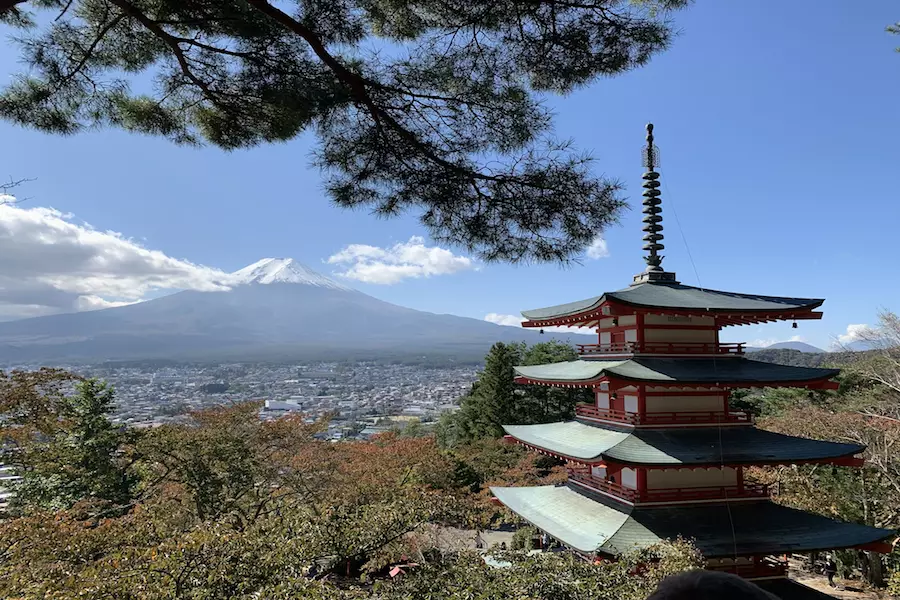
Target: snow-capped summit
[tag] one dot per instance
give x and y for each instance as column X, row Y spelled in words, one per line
column 284, row 270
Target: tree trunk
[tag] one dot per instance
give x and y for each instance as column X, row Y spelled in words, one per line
column 874, row 572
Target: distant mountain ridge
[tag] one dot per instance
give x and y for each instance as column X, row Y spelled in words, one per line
column 276, row 308
column 801, row 346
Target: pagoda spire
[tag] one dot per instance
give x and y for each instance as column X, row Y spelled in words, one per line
column 652, row 218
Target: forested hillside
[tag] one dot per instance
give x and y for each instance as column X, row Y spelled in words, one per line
column 795, row 358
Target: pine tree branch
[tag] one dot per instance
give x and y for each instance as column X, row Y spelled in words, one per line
column 10, row 5
column 358, row 88
column 173, row 43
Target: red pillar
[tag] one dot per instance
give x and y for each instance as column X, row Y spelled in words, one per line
column 740, row 479
column 642, row 402
column 639, row 321
column 641, row 482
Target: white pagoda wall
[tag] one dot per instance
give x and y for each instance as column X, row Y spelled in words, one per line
column 623, row 321
column 681, row 335
column 629, row 477
column 631, row 403
column 687, row 478
column 685, row 403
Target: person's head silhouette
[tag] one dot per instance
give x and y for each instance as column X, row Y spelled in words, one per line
column 708, row 585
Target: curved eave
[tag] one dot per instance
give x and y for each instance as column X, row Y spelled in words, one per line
column 823, row 383
column 724, row 317
column 589, row 524
column 672, row 372
column 678, row 448
column 729, row 308
column 843, row 460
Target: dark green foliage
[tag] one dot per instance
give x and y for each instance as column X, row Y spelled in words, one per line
column 496, row 400
column 491, row 402
column 430, row 105
column 769, row 402
column 214, row 388
column 795, row 358
column 523, row 538
column 80, row 457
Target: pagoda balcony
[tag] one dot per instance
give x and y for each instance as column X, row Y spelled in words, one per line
column 592, row 412
column 698, row 348
column 748, row 491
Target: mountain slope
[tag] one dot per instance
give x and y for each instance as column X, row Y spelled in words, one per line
column 801, row 346
column 277, row 308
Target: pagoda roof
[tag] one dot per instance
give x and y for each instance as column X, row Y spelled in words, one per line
column 673, row 447
column 590, row 524
column 730, row 370
column 675, row 297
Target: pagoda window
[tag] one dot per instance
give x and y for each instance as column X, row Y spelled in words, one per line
column 629, row 478
column 631, row 403
column 598, row 471
column 603, row 399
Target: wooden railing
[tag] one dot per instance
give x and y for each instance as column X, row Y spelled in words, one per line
column 590, row 411
column 722, row 492
column 661, row 348
column 689, row 494
column 674, row 418
column 602, row 485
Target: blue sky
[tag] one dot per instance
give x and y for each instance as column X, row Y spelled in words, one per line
column 780, row 143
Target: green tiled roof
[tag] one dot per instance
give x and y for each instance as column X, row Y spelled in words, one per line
column 674, row 296
column 688, row 370
column 569, row 438
column 590, row 524
column 683, row 446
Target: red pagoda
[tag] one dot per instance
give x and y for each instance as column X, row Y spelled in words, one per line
column 659, row 454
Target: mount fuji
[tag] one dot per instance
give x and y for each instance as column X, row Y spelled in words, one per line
column 275, row 309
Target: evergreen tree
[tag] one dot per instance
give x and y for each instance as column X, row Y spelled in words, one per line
column 73, row 452
column 493, row 401
column 496, row 400
column 550, row 404
column 426, row 105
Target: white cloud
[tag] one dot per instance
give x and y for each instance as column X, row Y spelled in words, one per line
column 763, row 343
column 404, row 260
column 598, row 248
column 96, row 303
column 52, row 264
column 855, row 332
column 514, row 321
column 508, row 320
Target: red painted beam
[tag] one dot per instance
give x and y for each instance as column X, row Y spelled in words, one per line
column 821, row 384
column 880, row 547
